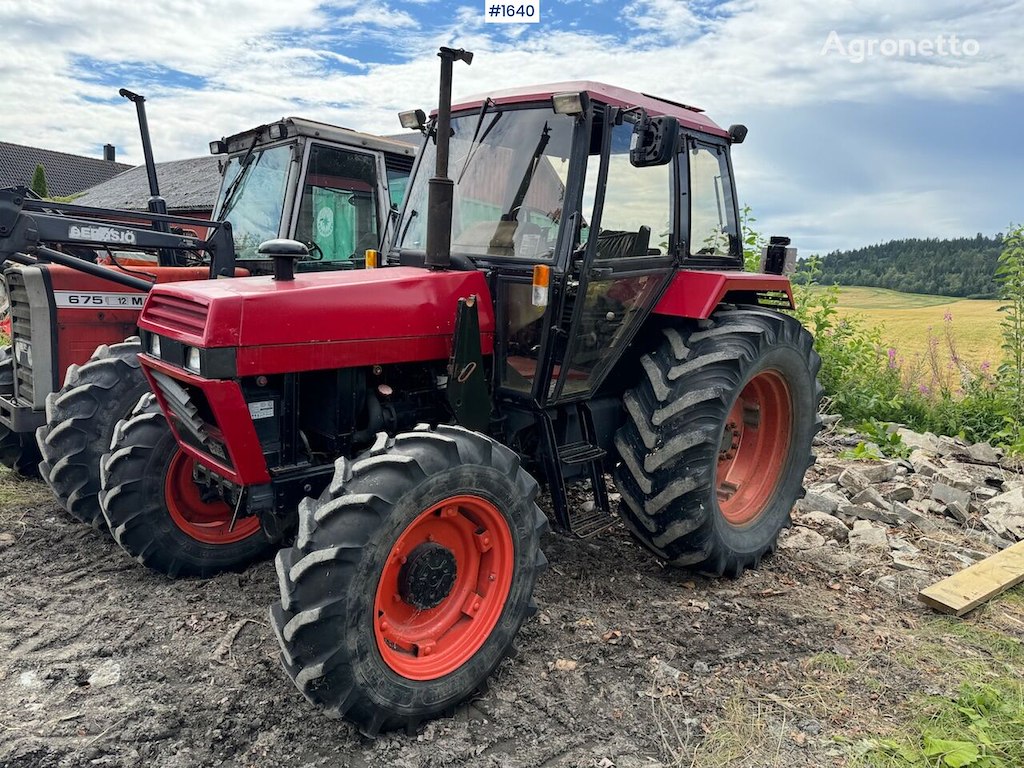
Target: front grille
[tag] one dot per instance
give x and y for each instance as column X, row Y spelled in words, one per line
column 21, row 330
column 188, row 417
column 176, row 313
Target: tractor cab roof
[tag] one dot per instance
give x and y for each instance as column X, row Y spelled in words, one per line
column 688, row 116
column 288, row 127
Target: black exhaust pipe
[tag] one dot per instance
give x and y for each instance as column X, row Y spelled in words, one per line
column 440, row 189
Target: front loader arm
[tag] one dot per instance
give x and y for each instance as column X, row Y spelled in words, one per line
column 29, row 226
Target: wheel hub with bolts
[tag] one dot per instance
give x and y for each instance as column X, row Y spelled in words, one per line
column 427, row 575
column 755, row 441
column 730, row 442
column 443, row 587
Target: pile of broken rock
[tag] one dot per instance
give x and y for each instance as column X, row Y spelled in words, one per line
column 945, row 507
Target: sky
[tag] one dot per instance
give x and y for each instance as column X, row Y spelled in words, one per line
column 868, row 120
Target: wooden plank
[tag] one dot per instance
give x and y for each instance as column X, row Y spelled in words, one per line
column 969, row 588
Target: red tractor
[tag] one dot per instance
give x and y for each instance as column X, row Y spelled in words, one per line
column 564, row 298
column 332, row 188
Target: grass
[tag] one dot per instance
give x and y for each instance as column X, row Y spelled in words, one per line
column 907, row 317
column 17, row 495
column 978, row 721
column 930, row 692
column 829, row 662
column 744, row 735
column 982, row 725
column 863, row 298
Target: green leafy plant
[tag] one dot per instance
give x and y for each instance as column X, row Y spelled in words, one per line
column 1010, row 277
column 883, row 442
column 863, row 451
column 855, row 371
column 753, row 241
column 982, row 726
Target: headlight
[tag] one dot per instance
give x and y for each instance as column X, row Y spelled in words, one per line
column 154, row 345
column 192, row 359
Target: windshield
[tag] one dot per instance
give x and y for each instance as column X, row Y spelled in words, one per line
column 510, row 168
column 252, row 197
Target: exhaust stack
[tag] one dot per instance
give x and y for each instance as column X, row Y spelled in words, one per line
column 440, row 189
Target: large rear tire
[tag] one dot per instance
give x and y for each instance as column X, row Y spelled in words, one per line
column 157, row 513
column 80, row 420
column 18, row 451
column 410, row 577
column 717, row 439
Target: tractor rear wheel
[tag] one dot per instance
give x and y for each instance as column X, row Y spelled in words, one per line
column 717, row 439
column 17, row 451
column 80, row 420
column 157, row 513
column 410, row 577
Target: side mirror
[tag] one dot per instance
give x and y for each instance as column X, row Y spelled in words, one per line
column 655, row 140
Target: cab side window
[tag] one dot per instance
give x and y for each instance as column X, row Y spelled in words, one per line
column 399, row 169
column 714, row 233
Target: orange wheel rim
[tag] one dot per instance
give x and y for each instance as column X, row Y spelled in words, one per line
column 205, row 521
column 443, row 587
column 755, row 444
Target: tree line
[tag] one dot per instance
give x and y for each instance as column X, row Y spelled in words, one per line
column 963, row 266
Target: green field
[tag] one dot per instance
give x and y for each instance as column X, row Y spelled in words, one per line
column 907, row 319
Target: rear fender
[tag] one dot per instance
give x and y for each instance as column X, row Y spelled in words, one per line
column 696, row 293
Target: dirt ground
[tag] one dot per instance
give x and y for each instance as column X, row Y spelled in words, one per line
column 627, row 665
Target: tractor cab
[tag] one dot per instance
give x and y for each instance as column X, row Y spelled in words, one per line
column 330, row 188
column 580, row 201
column 595, row 213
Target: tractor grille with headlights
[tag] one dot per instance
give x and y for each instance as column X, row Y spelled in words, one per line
column 21, row 334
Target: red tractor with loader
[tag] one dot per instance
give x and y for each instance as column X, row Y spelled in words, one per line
column 332, row 188
column 564, row 299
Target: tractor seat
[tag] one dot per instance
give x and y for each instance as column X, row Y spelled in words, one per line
column 618, row 244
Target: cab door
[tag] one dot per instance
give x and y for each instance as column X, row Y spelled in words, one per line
column 340, row 203
column 627, row 262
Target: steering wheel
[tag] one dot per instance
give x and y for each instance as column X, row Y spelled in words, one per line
column 315, row 249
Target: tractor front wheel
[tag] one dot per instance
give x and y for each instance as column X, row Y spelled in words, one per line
column 410, row 577
column 17, row 451
column 717, row 439
column 158, row 514
column 80, row 420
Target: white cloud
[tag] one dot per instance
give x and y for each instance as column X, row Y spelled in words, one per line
column 255, row 61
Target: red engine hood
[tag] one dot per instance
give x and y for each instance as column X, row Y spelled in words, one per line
column 321, row 320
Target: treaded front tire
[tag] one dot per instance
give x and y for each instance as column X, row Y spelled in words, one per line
column 717, row 439
column 80, row 420
column 409, row 578
column 17, row 451
column 157, row 514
